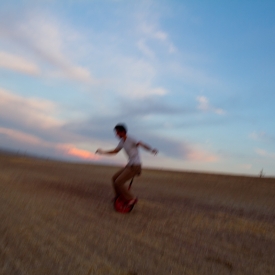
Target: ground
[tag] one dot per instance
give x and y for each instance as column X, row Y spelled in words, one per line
column 58, row 218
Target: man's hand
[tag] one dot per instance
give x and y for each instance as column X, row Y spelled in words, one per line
column 99, row 151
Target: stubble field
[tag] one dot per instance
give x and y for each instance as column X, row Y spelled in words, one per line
column 57, row 218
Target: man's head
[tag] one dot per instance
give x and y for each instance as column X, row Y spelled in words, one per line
column 120, row 130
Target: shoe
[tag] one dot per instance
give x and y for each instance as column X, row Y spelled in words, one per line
column 132, row 202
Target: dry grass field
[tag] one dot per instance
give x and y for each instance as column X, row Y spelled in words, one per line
column 57, row 218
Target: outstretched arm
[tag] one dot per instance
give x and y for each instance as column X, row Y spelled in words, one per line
column 110, row 152
column 147, row 147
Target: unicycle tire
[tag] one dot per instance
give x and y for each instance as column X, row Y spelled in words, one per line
column 121, row 205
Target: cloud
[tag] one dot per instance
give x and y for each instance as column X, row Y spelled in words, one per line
column 56, row 47
column 28, row 111
column 203, row 103
column 257, row 136
column 172, row 48
column 138, row 77
column 149, row 30
column 35, row 145
column 193, row 75
column 33, row 125
column 142, row 107
column 246, row 166
column 206, row 107
column 18, row 64
column 143, row 47
column 73, row 72
column 21, row 136
column 20, row 140
column 264, row 153
column 262, row 136
column 182, row 150
column 139, row 91
column 101, row 128
column 43, row 37
column 35, row 116
column 134, row 69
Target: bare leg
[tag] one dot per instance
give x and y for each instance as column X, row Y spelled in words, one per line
column 122, row 177
column 115, row 176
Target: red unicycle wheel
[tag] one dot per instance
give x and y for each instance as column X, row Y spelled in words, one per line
column 121, row 205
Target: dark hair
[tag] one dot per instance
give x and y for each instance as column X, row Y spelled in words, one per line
column 121, row 128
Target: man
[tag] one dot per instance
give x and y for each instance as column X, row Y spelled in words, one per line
column 133, row 168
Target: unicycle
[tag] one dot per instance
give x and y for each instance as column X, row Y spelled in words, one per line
column 121, row 205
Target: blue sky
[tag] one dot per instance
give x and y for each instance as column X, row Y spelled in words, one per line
column 195, row 79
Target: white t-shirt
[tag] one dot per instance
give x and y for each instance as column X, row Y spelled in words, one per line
column 131, row 149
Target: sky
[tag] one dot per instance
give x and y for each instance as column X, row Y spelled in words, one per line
column 194, row 79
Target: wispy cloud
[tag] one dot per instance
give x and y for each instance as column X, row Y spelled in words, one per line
column 55, row 45
column 193, row 73
column 73, row 79
column 31, row 142
column 246, row 166
column 180, row 149
column 151, row 31
column 35, row 124
column 262, row 136
column 138, row 77
column 28, row 111
column 143, row 47
column 21, row 136
column 150, row 106
column 204, row 105
column 40, row 35
column 138, row 90
column 34, row 116
column 264, row 153
column 17, row 63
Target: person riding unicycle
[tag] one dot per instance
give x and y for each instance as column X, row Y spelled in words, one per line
column 133, row 167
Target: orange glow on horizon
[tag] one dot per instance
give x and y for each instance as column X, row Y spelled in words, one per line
column 82, row 154
column 202, row 156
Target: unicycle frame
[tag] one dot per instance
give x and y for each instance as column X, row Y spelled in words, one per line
column 130, row 184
